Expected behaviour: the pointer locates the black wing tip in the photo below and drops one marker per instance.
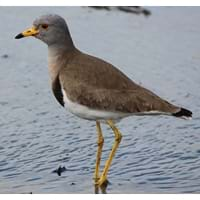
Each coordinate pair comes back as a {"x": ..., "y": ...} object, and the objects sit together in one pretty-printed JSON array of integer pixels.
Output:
[{"x": 183, "y": 113}]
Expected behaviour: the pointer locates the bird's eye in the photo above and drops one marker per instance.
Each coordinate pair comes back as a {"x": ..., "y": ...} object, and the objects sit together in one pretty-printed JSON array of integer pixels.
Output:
[{"x": 44, "y": 26}]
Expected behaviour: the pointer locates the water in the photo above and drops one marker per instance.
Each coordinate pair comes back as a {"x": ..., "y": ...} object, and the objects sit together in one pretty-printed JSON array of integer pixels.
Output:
[{"x": 157, "y": 154}]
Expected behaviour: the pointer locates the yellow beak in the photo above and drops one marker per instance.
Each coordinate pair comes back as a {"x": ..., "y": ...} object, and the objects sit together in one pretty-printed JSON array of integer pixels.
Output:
[{"x": 29, "y": 32}]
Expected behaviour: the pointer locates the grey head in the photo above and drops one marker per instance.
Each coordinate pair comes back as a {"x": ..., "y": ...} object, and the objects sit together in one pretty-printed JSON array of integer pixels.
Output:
[{"x": 51, "y": 29}]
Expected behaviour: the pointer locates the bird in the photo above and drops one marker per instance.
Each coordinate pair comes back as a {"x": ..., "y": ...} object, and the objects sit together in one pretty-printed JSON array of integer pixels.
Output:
[{"x": 94, "y": 89}]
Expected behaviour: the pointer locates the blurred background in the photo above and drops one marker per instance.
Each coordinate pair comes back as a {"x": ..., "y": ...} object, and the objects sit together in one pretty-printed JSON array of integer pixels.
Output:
[{"x": 157, "y": 47}]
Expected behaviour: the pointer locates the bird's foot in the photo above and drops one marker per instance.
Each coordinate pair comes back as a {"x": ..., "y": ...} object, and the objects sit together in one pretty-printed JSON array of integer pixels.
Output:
[{"x": 102, "y": 181}]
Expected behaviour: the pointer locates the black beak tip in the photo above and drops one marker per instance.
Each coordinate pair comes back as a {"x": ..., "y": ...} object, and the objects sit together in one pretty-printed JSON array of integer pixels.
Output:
[{"x": 19, "y": 36}]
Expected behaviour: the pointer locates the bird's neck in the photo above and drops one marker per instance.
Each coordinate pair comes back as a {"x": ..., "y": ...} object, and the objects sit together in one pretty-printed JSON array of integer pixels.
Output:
[
  {"x": 57, "y": 56},
  {"x": 64, "y": 46}
]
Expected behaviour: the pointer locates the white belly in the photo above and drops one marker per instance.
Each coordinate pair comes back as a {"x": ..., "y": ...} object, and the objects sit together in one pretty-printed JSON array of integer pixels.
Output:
[{"x": 91, "y": 114}]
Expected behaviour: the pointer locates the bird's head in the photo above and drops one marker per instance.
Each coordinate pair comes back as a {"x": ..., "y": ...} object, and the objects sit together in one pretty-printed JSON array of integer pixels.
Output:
[{"x": 51, "y": 29}]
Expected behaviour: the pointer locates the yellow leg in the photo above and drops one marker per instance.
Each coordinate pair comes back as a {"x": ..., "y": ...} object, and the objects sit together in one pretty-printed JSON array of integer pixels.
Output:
[
  {"x": 118, "y": 138},
  {"x": 100, "y": 142}
]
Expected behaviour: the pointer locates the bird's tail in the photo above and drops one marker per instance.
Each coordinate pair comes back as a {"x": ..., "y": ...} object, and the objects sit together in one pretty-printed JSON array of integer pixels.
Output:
[{"x": 183, "y": 113}]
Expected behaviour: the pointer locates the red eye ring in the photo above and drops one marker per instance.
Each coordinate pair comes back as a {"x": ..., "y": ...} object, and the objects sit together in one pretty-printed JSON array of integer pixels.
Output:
[{"x": 45, "y": 26}]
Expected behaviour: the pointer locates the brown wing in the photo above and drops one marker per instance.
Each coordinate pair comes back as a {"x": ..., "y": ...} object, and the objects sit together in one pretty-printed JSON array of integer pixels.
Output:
[{"x": 95, "y": 83}]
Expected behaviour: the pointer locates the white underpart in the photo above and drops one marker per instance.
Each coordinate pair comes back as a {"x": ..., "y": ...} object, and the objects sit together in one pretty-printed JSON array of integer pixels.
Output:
[
  {"x": 94, "y": 114},
  {"x": 90, "y": 114}
]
